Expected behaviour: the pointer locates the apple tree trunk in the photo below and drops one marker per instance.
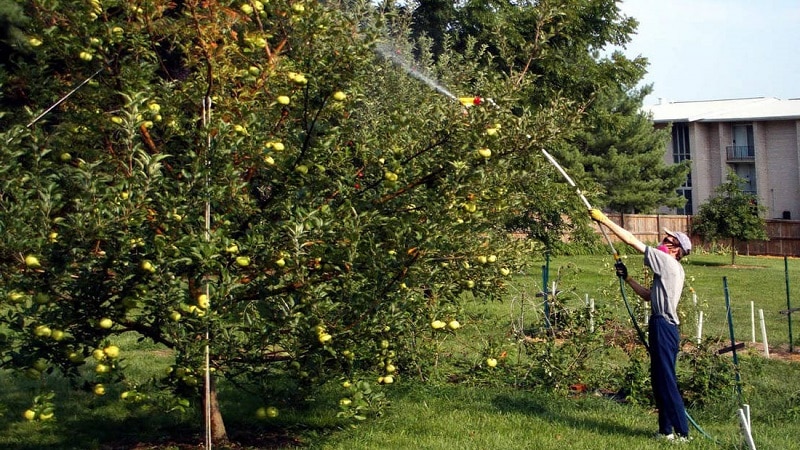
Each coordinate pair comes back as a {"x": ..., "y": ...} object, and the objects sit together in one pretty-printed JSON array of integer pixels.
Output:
[{"x": 218, "y": 432}]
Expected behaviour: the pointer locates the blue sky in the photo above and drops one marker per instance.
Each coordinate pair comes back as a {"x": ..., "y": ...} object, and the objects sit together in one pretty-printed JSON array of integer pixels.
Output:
[{"x": 717, "y": 49}]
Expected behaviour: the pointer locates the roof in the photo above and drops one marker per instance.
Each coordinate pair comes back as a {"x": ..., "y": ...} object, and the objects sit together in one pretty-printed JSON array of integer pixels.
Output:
[{"x": 759, "y": 108}]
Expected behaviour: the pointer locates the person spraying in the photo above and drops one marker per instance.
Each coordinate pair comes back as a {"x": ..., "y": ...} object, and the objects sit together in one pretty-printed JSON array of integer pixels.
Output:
[{"x": 663, "y": 334}]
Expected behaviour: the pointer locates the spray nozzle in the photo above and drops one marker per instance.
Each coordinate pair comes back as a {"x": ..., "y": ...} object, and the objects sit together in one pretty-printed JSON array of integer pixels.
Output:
[{"x": 469, "y": 101}]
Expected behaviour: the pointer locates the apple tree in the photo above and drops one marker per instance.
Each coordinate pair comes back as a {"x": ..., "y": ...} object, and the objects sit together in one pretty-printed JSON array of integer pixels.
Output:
[{"x": 252, "y": 179}]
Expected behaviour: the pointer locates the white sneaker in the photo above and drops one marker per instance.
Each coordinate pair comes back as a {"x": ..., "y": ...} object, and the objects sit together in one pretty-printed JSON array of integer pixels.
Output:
[{"x": 665, "y": 437}]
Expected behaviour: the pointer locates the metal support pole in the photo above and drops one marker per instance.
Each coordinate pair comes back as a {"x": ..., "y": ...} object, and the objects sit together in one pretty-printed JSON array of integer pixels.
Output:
[{"x": 788, "y": 302}]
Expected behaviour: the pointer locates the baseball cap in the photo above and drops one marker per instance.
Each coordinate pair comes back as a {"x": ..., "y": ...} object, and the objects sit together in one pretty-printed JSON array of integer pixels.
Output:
[{"x": 683, "y": 240}]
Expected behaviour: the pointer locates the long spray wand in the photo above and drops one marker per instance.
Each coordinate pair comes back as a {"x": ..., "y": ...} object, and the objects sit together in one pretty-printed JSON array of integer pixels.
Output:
[{"x": 583, "y": 198}]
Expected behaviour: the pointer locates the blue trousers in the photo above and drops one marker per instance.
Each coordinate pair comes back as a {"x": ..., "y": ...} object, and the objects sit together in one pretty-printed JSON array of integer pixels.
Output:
[{"x": 664, "y": 343}]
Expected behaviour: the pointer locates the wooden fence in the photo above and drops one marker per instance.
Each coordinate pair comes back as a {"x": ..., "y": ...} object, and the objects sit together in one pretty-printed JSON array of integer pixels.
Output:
[{"x": 784, "y": 235}]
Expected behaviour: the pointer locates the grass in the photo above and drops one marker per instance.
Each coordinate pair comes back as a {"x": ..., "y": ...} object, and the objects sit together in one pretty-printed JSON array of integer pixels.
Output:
[{"x": 481, "y": 413}]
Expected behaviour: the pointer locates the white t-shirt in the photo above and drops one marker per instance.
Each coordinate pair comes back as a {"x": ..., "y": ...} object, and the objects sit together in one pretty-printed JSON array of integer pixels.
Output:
[{"x": 667, "y": 285}]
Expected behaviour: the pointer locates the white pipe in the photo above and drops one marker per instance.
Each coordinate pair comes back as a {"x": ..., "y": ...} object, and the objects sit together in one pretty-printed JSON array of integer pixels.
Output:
[
  {"x": 747, "y": 415},
  {"x": 763, "y": 332},
  {"x": 694, "y": 298},
  {"x": 591, "y": 314},
  {"x": 700, "y": 328},
  {"x": 753, "y": 321},
  {"x": 746, "y": 430}
]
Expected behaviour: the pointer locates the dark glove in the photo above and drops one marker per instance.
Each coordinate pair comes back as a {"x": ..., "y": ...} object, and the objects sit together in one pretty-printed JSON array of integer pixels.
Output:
[{"x": 622, "y": 271}]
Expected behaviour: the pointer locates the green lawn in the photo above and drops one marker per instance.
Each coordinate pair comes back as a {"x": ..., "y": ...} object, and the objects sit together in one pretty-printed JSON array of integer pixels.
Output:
[{"x": 480, "y": 413}]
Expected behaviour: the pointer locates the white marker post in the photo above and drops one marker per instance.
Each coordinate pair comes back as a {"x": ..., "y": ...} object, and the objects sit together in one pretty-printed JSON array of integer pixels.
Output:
[
  {"x": 753, "y": 321},
  {"x": 591, "y": 314},
  {"x": 700, "y": 328},
  {"x": 763, "y": 332},
  {"x": 748, "y": 435}
]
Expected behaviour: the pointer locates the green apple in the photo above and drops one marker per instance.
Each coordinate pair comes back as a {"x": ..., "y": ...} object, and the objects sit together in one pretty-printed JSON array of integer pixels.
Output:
[
  {"x": 203, "y": 301},
  {"x": 46, "y": 415},
  {"x": 175, "y": 316},
  {"x": 324, "y": 338},
  {"x": 283, "y": 99},
  {"x": 246, "y": 8},
  {"x": 86, "y": 56},
  {"x": 42, "y": 331},
  {"x": 29, "y": 414},
  {"x": 232, "y": 249},
  {"x": 483, "y": 259},
  {"x": 98, "y": 354},
  {"x": 347, "y": 384},
  {"x": 504, "y": 271},
  {"x": 16, "y": 297},
  {"x": 453, "y": 325},
  {"x": 390, "y": 176},
  {"x": 390, "y": 368},
  {"x": 147, "y": 266},
  {"x": 102, "y": 368},
  {"x": 34, "y": 42},
  {"x": 40, "y": 364},
  {"x": 267, "y": 413},
  {"x": 112, "y": 351},
  {"x": 491, "y": 362},
  {"x": 65, "y": 157},
  {"x": 32, "y": 262},
  {"x": 57, "y": 335},
  {"x": 492, "y": 258},
  {"x": 303, "y": 169},
  {"x": 484, "y": 153},
  {"x": 469, "y": 284},
  {"x": 280, "y": 262},
  {"x": 438, "y": 324},
  {"x": 339, "y": 96},
  {"x": 298, "y": 7},
  {"x": 99, "y": 389},
  {"x": 388, "y": 379},
  {"x": 243, "y": 261},
  {"x": 52, "y": 237},
  {"x": 106, "y": 323},
  {"x": 345, "y": 402}
]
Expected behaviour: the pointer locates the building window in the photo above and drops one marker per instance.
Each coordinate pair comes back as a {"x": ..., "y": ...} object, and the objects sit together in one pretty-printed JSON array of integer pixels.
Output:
[{"x": 680, "y": 153}]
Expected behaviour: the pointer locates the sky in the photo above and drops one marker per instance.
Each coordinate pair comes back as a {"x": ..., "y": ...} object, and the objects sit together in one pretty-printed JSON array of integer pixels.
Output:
[{"x": 717, "y": 49}]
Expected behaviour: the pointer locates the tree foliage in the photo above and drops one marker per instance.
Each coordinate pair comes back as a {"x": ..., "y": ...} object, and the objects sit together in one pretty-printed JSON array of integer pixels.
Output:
[
  {"x": 254, "y": 179},
  {"x": 563, "y": 45},
  {"x": 731, "y": 214}
]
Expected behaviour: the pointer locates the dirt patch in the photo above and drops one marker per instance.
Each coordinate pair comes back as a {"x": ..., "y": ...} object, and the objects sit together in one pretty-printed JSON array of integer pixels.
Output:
[{"x": 780, "y": 353}]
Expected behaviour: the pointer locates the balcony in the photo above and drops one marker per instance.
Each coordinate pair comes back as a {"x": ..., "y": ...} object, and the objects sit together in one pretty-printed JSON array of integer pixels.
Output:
[{"x": 740, "y": 153}]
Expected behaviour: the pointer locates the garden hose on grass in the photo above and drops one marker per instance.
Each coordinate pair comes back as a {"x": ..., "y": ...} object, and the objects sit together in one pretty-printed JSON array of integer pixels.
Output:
[{"x": 614, "y": 253}]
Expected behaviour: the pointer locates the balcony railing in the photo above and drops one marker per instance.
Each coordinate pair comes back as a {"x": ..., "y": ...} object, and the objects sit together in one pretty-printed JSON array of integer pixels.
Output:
[{"x": 740, "y": 153}]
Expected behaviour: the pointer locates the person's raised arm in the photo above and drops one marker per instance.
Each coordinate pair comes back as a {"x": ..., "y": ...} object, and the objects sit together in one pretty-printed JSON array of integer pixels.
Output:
[{"x": 625, "y": 235}]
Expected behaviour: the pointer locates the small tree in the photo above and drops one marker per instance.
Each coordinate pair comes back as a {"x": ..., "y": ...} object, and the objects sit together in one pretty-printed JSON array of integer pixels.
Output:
[{"x": 731, "y": 214}]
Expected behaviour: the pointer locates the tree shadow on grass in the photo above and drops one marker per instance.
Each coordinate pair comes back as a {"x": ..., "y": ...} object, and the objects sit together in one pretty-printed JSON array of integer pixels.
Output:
[{"x": 545, "y": 409}]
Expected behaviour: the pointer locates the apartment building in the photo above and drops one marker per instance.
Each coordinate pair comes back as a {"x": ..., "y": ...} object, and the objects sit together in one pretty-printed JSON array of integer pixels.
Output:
[{"x": 758, "y": 138}]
